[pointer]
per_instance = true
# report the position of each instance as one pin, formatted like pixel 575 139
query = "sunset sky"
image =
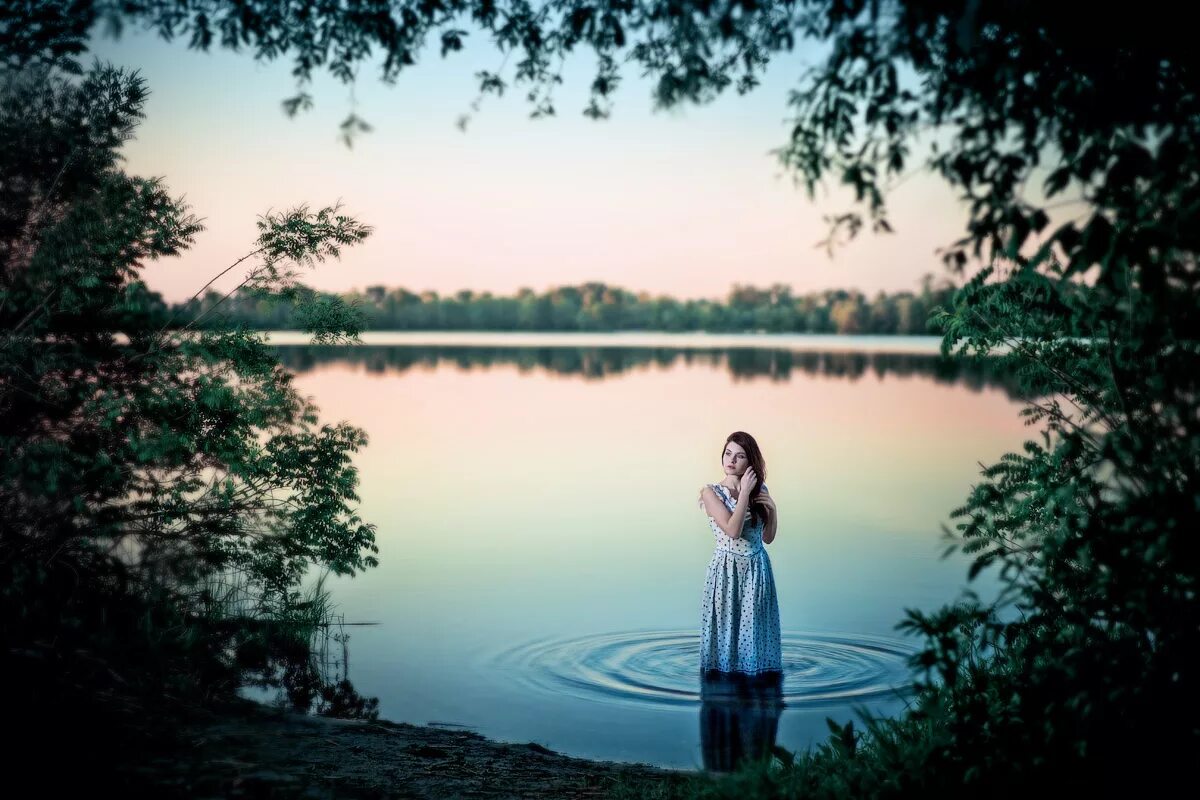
pixel 685 203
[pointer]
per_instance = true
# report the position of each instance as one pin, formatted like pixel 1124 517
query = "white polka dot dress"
pixel 739 615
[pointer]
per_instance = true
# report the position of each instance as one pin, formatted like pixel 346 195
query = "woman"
pixel 739 618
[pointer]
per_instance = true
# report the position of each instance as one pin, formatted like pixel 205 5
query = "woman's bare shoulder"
pixel 709 492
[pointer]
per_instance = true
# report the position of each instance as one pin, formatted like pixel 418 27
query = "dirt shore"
pixel 246 749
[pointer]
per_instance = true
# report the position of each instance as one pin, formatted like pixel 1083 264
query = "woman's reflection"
pixel 739 717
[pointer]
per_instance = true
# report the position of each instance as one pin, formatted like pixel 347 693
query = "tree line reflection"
pixel 597 363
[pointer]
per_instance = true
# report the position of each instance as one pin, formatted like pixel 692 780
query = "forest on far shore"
pixel 593 306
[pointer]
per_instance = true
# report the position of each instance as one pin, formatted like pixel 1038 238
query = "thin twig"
pixel 210 283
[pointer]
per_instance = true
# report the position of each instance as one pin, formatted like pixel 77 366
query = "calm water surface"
pixel 542 555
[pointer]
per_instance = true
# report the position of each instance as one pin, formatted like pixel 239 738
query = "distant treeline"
pixel 598 363
pixel 599 307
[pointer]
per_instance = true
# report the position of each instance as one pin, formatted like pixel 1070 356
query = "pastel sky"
pixel 686 203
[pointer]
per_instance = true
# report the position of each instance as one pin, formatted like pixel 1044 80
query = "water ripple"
pixel 662 667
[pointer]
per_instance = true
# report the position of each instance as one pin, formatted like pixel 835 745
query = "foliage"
pixel 1085 676
pixel 596 306
pixel 163 490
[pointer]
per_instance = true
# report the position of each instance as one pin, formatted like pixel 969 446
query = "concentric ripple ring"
pixel 662 667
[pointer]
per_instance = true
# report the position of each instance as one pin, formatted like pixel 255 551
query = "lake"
pixel 542 555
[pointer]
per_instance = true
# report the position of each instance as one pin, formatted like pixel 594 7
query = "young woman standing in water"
pixel 739 616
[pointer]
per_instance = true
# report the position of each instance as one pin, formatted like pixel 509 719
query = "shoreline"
pixel 911 344
pixel 245 748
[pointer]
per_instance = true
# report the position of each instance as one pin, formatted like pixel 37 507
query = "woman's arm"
pixel 729 522
pixel 773 523
pixel 772 527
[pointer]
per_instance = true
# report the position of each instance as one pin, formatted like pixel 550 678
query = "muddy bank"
pixel 247 749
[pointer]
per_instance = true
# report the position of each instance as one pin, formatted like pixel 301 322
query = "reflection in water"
pixel 602 362
pixel 739 718
pixel 575 629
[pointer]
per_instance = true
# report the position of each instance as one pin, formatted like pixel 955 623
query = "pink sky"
pixel 685 203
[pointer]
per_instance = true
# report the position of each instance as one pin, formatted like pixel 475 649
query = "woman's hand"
pixel 748 482
pixel 766 500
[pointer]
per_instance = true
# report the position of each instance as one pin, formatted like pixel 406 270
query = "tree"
pixel 849 315
pixel 163 490
pixel 1036 108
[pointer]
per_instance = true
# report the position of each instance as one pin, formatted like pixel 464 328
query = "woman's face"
pixel 734 459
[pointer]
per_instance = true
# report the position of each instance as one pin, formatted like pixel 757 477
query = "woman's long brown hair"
pixel 755 457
